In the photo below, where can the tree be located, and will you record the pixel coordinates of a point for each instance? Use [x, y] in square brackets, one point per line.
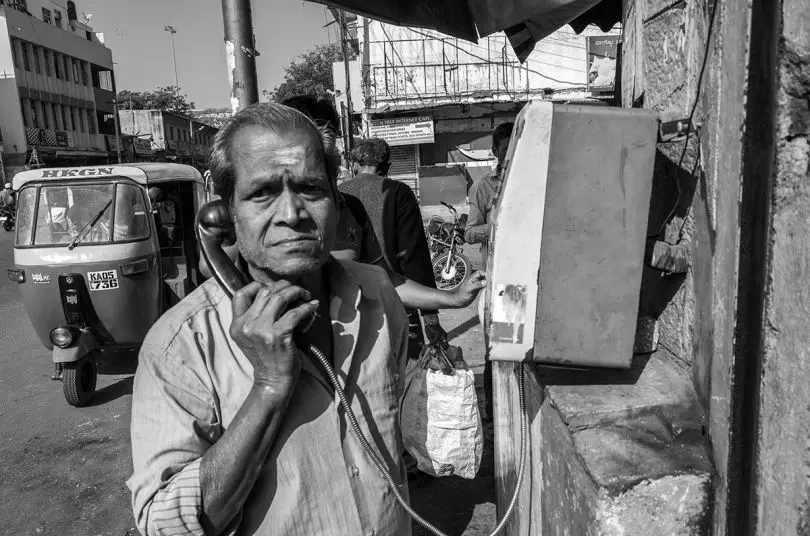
[308, 74]
[166, 98]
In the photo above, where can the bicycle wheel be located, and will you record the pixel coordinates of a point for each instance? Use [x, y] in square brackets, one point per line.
[450, 277]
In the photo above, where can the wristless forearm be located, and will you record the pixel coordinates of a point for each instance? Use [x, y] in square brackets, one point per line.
[229, 469]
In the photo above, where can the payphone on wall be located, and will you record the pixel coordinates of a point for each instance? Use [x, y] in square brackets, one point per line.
[564, 267]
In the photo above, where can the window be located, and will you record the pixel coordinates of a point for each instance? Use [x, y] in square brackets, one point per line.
[91, 124]
[57, 18]
[80, 122]
[19, 5]
[55, 112]
[65, 63]
[25, 104]
[46, 116]
[65, 210]
[76, 76]
[131, 221]
[34, 115]
[84, 68]
[46, 54]
[65, 123]
[37, 65]
[14, 59]
[171, 133]
[105, 80]
[26, 60]
[46, 15]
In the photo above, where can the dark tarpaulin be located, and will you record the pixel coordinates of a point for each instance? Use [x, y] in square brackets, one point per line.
[525, 22]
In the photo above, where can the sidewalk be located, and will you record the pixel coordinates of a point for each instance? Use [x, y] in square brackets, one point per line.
[454, 505]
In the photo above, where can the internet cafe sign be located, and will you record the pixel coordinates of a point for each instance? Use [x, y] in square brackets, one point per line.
[403, 130]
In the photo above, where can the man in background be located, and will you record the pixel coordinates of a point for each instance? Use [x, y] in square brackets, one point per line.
[479, 225]
[395, 216]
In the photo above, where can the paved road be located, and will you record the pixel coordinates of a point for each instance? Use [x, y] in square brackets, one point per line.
[62, 469]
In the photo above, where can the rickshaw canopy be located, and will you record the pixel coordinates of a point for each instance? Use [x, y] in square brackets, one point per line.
[146, 174]
[525, 22]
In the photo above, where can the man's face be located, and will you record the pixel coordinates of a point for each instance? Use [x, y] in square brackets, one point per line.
[499, 150]
[283, 206]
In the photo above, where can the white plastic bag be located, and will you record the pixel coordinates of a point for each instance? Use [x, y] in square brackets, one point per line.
[441, 425]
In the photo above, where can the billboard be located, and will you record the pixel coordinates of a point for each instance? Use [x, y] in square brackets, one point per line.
[403, 130]
[601, 52]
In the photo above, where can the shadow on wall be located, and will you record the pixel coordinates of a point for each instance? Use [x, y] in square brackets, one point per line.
[670, 220]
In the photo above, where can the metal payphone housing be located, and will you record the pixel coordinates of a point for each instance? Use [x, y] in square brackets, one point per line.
[567, 244]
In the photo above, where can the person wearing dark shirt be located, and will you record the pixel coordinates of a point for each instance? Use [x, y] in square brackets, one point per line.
[397, 222]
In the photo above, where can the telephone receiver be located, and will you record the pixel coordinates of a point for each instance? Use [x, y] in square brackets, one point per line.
[215, 230]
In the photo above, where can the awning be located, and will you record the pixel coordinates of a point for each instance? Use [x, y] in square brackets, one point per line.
[525, 22]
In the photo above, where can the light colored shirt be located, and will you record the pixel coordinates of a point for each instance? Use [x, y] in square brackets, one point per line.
[192, 379]
[479, 222]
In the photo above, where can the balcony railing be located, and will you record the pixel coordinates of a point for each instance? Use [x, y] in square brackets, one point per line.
[19, 5]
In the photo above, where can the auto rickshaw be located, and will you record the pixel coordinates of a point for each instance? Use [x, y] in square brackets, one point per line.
[100, 253]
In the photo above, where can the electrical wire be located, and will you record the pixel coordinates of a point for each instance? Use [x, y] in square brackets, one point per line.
[524, 433]
[689, 124]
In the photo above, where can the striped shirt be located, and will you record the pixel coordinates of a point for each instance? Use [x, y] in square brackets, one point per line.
[317, 480]
[479, 223]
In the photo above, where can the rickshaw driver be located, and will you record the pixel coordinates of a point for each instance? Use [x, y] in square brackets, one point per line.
[232, 428]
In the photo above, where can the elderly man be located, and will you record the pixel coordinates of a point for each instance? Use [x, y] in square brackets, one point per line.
[234, 429]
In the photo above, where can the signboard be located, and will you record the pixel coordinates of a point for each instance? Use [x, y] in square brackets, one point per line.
[403, 130]
[601, 52]
[142, 146]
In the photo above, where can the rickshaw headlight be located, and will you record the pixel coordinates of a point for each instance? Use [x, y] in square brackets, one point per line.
[62, 337]
[17, 275]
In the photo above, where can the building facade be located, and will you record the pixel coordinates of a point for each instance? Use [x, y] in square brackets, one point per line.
[57, 87]
[436, 99]
[160, 136]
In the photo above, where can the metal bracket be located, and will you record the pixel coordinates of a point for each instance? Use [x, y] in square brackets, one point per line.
[677, 130]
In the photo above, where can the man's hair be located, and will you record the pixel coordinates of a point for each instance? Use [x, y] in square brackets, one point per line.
[502, 132]
[321, 111]
[372, 152]
[274, 117]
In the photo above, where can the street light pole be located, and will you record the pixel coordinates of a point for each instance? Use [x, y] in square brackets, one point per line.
[240, 53]
[172, 30]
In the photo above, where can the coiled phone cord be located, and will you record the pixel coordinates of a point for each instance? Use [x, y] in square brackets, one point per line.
[524, 432]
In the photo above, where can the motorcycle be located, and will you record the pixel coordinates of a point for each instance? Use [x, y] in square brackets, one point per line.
[7, 219]
[445, 240]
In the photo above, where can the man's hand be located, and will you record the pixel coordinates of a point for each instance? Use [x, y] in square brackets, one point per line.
[469, 289]
[433, 330]
[264, 320]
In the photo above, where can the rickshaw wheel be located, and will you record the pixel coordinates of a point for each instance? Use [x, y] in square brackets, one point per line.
[79, 381]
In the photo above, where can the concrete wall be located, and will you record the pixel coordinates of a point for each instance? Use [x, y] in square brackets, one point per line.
[782, 453]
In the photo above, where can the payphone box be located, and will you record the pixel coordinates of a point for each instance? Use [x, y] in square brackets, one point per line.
[570, 224]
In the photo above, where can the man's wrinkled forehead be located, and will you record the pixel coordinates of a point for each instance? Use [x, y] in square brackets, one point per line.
[289, 148]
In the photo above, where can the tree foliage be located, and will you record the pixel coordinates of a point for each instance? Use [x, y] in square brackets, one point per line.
[308, 74]
[166, 98]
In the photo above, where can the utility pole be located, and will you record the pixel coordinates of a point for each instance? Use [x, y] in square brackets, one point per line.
[349, 111]
[240, 53]
[172, 30]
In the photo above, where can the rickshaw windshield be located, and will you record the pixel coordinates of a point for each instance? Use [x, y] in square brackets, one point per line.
[58, 214]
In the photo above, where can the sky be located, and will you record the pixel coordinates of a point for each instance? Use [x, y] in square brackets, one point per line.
[142, 50]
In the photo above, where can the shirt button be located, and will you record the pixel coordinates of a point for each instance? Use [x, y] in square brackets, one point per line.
[355, 471]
